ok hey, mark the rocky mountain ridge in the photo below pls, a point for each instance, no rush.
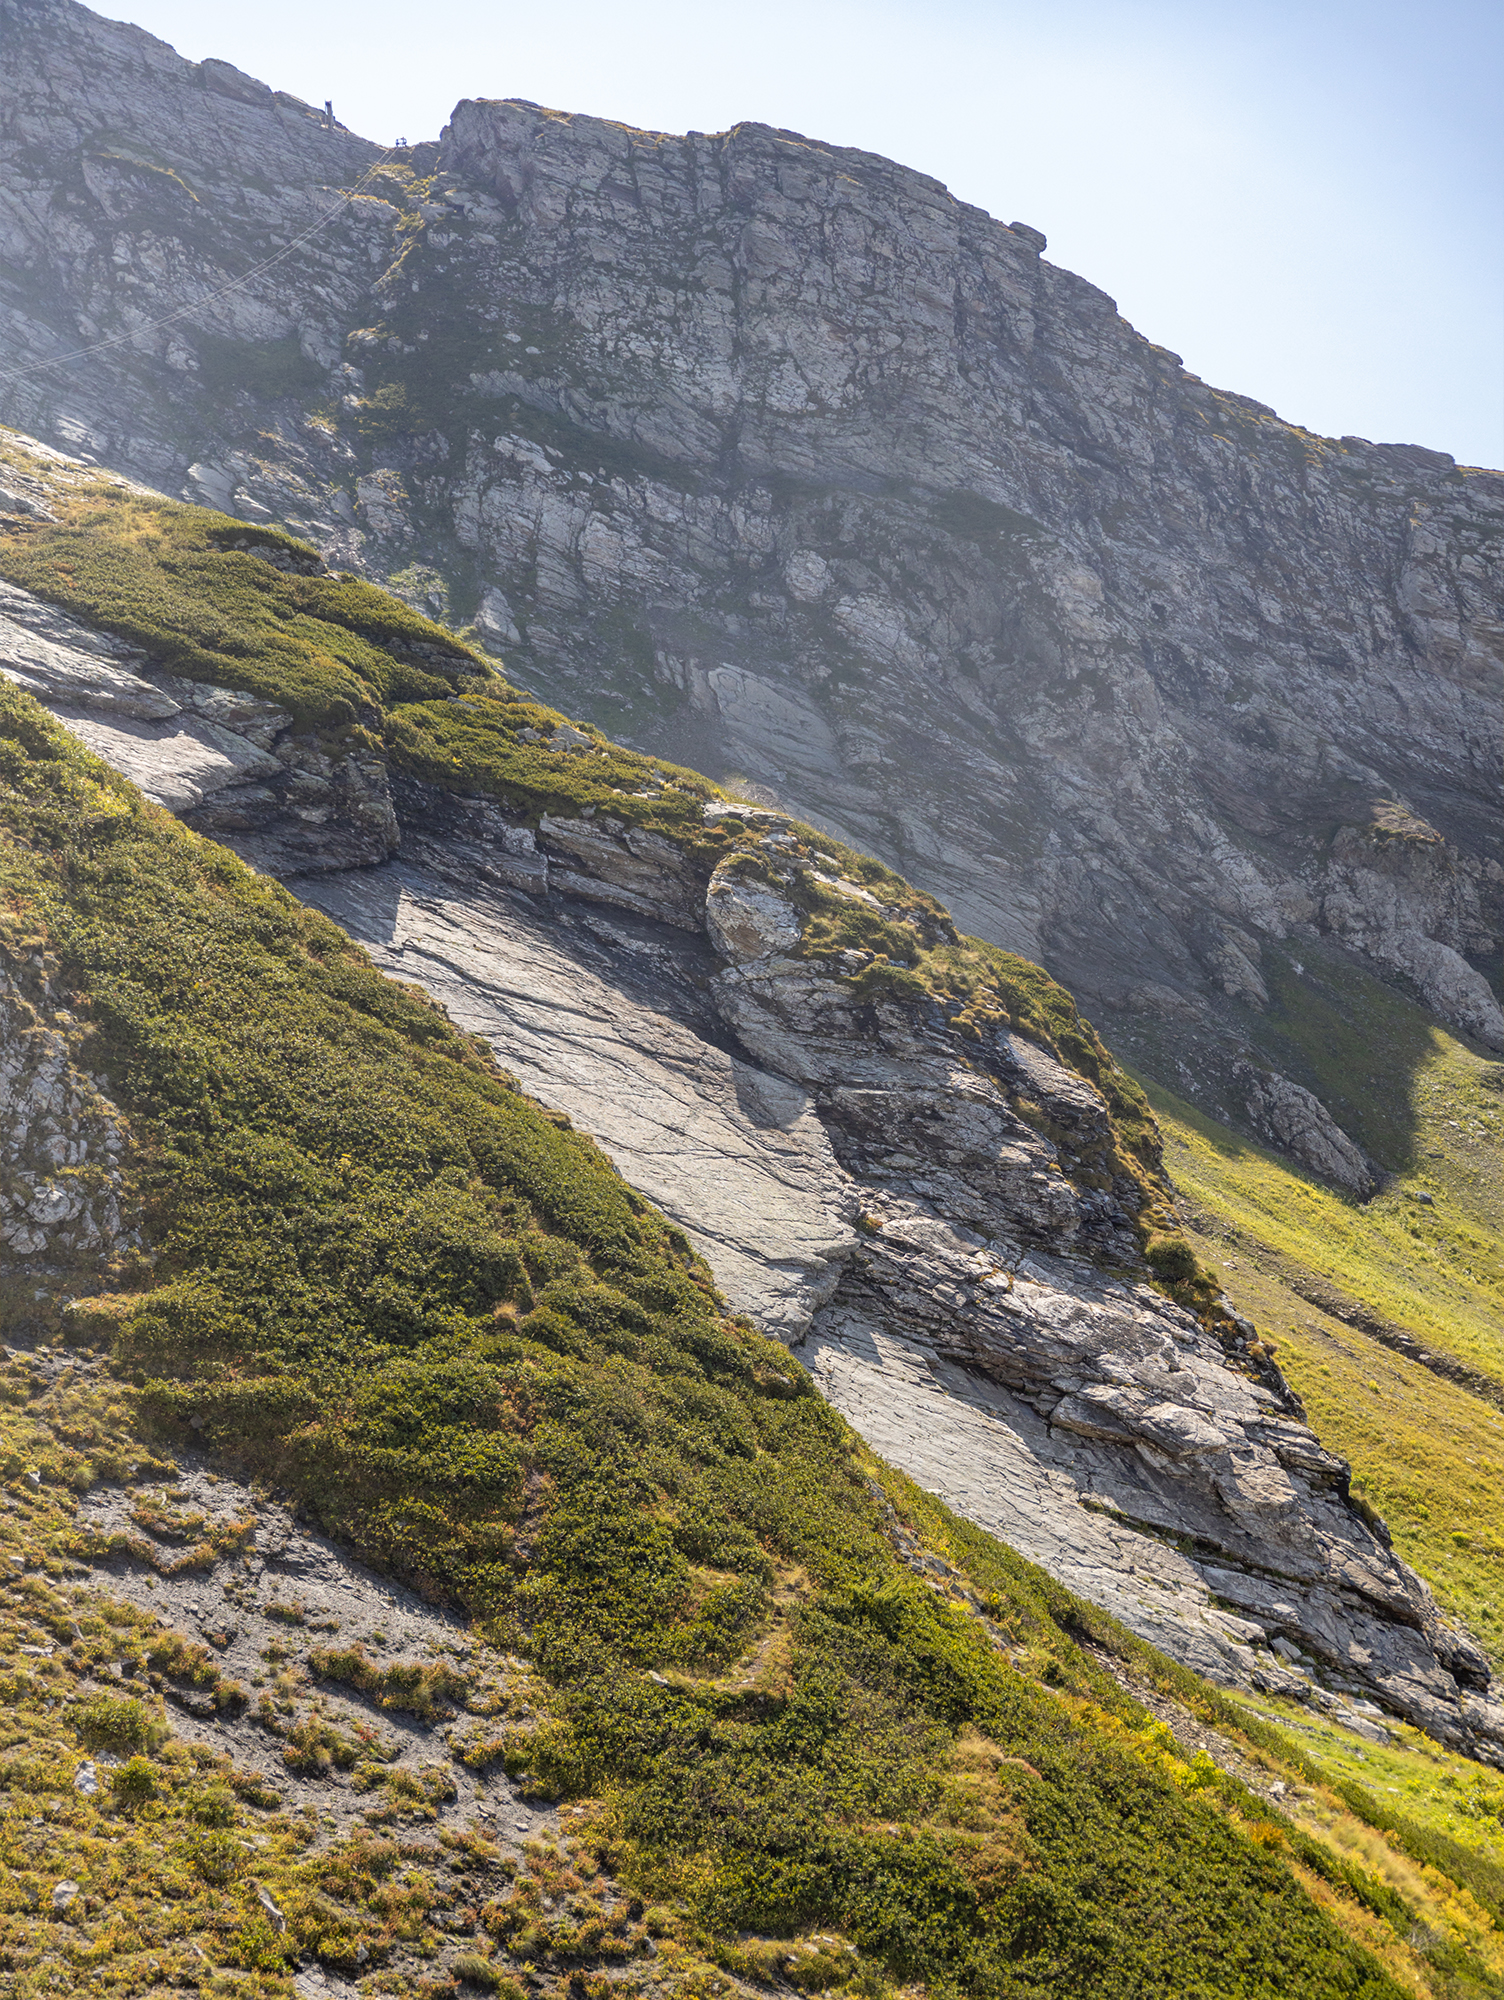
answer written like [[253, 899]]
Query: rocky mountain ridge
[[774, 457], [939, 1213]]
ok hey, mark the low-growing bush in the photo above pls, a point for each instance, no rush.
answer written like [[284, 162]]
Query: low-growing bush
[[212, 1807], [32, 1774], [217, 1856], [189, 588], [1173, 1259], [134, 1783], [259, 1946], [474, 1967], [427, 1689], [316, 1746], [108, 1723]]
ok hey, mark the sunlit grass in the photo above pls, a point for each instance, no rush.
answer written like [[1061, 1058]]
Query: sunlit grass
[[1431, 1787], [1434, 1268]]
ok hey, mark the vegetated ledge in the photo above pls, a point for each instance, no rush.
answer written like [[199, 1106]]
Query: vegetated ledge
[[923, 1114], [247, 608], [351, 1257]]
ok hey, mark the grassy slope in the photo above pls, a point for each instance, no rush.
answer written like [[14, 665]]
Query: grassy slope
[[1427, 1452], [1430, 1110], [382, 1277], [474, 1296], [168, 1854]]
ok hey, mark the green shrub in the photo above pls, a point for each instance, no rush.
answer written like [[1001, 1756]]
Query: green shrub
[[31, 1774], [218, 1857], [1172, 1259], [106, 1723], [213, 1807], [259, 1946], [134, 1783], [478, 1970], [426, 1689], [315, 1747]]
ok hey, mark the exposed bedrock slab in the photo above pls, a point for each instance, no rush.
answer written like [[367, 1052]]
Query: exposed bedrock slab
[[178, 763], [1095, 1427], [733, 1154], [57, 659]]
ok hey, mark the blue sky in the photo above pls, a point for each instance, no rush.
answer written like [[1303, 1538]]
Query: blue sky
[[1302, 200]]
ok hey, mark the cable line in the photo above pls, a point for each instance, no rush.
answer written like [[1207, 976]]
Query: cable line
[[212, 298]]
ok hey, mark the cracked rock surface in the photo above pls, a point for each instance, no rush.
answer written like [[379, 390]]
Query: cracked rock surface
[[1096, 1428], [598, 1019], [1084, 1419]]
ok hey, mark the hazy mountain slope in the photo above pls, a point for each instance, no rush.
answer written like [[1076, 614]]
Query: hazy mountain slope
[[364, 1265], [774, 457], [863, 1120]]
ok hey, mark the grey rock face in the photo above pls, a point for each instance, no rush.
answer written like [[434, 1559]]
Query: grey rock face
[[64, 664], [861, 1181], [63, 1144], [1292, 1118], [1096, 1429], [748, 920], [597, 1017], [774, 456], [1106, 708]]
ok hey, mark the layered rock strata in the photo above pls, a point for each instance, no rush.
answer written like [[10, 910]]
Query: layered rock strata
[[774, 456], [881, 1193], [228, 763], [1081, 1417]]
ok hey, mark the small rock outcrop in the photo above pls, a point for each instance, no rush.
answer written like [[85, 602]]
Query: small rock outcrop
[[1296, 1121], [748, 920], [228, 763], [64, 1192]]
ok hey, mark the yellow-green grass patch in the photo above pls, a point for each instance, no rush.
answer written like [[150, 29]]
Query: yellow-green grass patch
[[1432, 1266]]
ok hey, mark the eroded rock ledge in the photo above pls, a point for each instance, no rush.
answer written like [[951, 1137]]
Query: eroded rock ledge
[[928, 1215], [920, 1255]]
